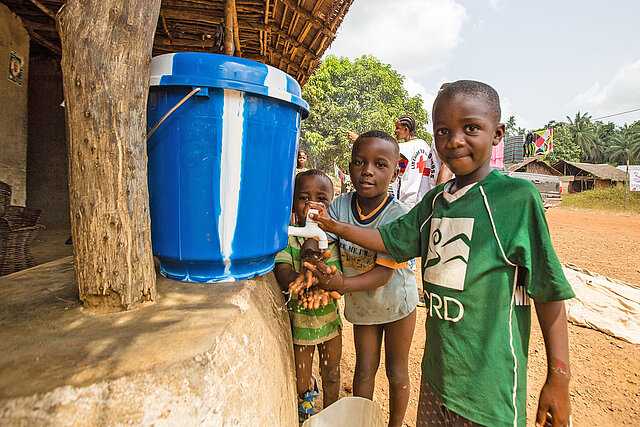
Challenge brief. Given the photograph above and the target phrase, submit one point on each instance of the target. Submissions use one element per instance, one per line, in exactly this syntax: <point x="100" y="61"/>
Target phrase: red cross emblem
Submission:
<point x="422" y="162"/>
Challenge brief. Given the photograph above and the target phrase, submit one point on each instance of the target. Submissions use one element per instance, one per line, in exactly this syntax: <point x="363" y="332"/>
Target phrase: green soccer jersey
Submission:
<point x="485" y="252"/>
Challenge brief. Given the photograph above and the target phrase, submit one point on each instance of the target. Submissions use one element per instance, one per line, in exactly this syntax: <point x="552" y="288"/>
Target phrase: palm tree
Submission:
<point x="510" y="127"/>
<point x="624" y="145"/>
<point x="583" y="134"/>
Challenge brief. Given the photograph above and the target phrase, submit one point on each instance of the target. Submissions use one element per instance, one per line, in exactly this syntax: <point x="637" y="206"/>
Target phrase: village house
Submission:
<point x="587" y="176"/>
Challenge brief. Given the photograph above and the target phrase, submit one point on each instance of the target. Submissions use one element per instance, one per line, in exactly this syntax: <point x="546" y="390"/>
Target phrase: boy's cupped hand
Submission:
<point x="309" y="294"/>
<point x="326" y="277"/>
<point x="316" y="297"/>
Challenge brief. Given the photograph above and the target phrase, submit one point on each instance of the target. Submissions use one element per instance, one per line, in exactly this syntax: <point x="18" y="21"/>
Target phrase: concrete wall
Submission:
<point x="14" y="39"/>
<point x="201" y="355"/>
<point x="47" y="160"/>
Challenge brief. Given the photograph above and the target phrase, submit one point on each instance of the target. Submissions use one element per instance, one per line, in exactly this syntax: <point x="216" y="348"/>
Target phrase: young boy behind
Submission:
<point x="380" y="294"/>
<point x="318" y="326"/>
<point x="486" y="251"/>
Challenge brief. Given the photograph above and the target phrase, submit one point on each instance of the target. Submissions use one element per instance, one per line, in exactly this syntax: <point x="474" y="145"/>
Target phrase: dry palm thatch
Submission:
<point x="291" y="35"/>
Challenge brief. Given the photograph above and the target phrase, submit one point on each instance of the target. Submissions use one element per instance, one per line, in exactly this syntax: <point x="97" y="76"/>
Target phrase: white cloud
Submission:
<point x="416" y="88"/>
<point x="478" y="25"/>
<point x="416" y="36"/>
<point x="496" y="4"/>
<point x="622" y="93"/>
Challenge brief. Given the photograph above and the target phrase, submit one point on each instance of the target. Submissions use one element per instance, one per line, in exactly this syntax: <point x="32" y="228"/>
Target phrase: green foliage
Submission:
<point x="583" y="134"/>
<point x="623" y="144"/>
<point x="564" y="148"/>
<point x="353" y="96"/>
<point x="512" y="129"/>
<point x="611" y="199"/>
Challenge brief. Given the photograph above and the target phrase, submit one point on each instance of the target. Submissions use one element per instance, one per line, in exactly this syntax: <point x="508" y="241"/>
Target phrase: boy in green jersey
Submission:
<point x="486" y="253"/>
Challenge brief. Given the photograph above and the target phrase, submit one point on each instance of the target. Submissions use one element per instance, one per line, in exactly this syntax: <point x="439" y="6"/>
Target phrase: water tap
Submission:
<point x="311" y="229"/>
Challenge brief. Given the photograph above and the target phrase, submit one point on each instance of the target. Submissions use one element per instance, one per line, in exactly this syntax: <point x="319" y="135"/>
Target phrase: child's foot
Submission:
<point x="305" y="401"/>
<point x="302" y="417"/>
<point x="305" y="406"/>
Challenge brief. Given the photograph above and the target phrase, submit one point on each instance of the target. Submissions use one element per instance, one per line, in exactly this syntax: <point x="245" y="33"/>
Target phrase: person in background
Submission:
<point x="312" y="325"/>
<point x="380" y="294"/>
<point x="301" y="161"/>
<point x="414" y="153"/>
<point x="435" y="172"/>
<point x="487" y="252"/>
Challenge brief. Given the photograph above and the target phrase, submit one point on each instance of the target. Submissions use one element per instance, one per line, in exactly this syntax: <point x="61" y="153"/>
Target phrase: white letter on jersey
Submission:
<point x="447" y="300"/>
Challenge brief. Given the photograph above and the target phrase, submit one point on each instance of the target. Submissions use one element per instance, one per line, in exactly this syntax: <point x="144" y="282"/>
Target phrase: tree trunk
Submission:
<point x="106" y="54"/>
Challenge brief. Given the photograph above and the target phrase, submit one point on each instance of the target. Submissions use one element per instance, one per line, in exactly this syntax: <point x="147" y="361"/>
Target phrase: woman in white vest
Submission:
<point x="414" y="158"/>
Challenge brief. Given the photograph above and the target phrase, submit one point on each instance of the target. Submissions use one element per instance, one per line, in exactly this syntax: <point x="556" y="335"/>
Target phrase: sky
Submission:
<point x="547" y="59"/>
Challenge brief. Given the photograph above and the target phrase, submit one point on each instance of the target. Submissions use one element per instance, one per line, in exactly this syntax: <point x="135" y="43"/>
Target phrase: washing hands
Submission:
<point x="308" y="285"/>
<point x="318" y="283"/>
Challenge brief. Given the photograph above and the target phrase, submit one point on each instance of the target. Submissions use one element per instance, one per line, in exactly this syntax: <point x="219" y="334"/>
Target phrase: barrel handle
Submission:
<point x="193" y="92"/>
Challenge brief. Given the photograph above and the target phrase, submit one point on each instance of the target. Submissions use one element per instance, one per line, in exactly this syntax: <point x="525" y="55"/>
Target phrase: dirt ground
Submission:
<point x="605" y="385"/>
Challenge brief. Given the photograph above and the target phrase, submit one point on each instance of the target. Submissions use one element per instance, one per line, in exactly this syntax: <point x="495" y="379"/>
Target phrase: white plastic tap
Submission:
<point x="311" y="229"/>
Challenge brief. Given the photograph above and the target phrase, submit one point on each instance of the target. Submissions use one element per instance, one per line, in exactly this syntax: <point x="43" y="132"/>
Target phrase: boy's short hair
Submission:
<point x="409" y="122"/>
<point x="474" y="89"/>
<point x="310" y="172"/>
<point x="377" y="134"/>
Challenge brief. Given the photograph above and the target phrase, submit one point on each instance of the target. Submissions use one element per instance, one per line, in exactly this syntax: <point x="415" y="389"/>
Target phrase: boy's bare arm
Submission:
<point x="372" y="279"/>
<point x="554" y="407"/>
<point x="369" y="238"/>
<point x="331" y="279"/>
<point x="285" y="274"/>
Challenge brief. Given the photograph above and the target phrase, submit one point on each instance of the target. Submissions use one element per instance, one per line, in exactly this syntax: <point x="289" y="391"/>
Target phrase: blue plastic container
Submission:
<point x="221" y="166"/>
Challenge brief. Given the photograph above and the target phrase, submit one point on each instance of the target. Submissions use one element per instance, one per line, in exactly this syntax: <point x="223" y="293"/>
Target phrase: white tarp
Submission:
<point x="605" y="304"/>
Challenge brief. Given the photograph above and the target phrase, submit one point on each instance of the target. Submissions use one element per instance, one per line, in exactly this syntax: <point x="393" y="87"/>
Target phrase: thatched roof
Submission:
<point x="521" y="167"/>
<point x="601" y="171"/>
<point x="291" y="35"/>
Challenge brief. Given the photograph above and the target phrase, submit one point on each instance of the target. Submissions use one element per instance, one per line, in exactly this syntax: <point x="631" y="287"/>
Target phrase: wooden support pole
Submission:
<point x="106" y="54"/>
<point x="229" y="12"/>
<point x="236" y="31"/>
<point x="43" y="42"/>
<point x="44" y="8"/>
<point x="164" y="27"/>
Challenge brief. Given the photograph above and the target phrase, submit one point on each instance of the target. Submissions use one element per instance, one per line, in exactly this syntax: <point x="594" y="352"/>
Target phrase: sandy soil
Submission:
<point x="605" y="386"/>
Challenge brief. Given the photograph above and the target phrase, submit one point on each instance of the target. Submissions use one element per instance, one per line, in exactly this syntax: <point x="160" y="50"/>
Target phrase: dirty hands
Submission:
<point x="306" y="284"/>
<point x="316" y="297"/>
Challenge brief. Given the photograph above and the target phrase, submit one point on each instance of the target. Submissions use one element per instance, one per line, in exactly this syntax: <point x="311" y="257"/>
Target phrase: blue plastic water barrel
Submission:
<point x="221" y="166"/>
